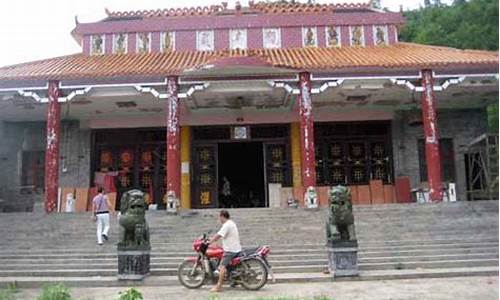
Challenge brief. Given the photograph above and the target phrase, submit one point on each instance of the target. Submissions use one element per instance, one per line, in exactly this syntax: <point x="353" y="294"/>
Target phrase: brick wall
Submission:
<point x="30" y="136"/>
<point x="460" y="125"/>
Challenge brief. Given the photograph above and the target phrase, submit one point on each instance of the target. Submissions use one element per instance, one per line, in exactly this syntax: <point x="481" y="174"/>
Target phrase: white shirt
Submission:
<point x="230" y="237"/>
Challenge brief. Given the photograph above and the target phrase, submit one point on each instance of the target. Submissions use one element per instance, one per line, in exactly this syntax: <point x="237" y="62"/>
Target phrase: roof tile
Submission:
<point x="401" y="55"/>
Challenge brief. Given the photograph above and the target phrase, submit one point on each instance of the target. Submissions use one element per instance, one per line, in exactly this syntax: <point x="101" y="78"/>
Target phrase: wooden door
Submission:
<point x="205" y="178"/>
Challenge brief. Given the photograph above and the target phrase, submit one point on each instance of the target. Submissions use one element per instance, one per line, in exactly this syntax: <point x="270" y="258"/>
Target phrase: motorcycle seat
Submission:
<point x="248" y="251"/>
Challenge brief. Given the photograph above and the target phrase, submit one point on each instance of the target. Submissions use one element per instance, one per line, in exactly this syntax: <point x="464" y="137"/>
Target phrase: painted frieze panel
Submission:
<point x="332" y="34"/>
<point x="309" y="37"/>
<point x="238" y="38"/>
<point x="380" y="35"/>
<point x="205" y="40"/>
<point x="120" y="43"/>
<point x="271" y="37"/>
<point x="357" y="36"/>
<point x="167" y="41"/>
<point x="97" y="44"/>
<point x="143" y="42"/>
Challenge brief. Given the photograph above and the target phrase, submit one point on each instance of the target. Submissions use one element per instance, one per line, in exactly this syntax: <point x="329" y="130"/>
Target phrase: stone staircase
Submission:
<point x="396" y="241"/>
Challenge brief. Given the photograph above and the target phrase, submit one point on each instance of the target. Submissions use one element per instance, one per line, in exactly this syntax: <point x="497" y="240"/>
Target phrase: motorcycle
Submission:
<point x="250" y="268"/>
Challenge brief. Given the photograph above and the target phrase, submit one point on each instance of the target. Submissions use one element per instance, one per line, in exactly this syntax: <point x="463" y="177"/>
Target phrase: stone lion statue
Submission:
<point x="134" y="230"/>
<point x="340" y="225"/>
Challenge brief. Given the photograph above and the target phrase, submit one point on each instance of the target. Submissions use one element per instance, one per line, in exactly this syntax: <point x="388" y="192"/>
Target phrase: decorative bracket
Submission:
<point x="34" y="95"/>
<point x="188" y="93"/>
<point x="436" y="88"/>
<point x="314" y="91"/>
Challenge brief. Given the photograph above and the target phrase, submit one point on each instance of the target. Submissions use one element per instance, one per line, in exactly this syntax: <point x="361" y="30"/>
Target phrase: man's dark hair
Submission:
<point x="224" y="213"/>
<point x="100" y="189"/>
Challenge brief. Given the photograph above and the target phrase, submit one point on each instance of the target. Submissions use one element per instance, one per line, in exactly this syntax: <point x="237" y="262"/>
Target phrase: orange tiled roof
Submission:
<point x="401" y="55"/>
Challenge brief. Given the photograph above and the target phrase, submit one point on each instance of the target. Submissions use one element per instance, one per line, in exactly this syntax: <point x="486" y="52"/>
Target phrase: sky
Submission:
<point x="38" y="29"/>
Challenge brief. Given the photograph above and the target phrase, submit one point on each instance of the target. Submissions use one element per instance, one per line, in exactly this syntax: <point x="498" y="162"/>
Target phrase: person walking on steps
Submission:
<point x="101" y="207"/>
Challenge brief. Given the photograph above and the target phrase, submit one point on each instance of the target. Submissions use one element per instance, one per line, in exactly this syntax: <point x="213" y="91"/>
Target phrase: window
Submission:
<point x="380" y="35"/>
<point x="167" y="41"/>
<point x="97" y="44"/>
<point x="238" y="38"/>
<point x="271" y="37"/>
<point x="205" y="40"/>
<point x="309" y="37"/>
<point x="357" y="36"/>
<point x="120" y="43"/>
<point x="143" y="42"/>
<point x="447" y="160"/>
<point x="332" y="34"/>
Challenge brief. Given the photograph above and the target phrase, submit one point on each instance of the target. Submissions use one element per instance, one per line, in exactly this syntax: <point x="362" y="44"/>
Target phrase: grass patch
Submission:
<point x="55" y="292"/>
<point x="9" y="293"/>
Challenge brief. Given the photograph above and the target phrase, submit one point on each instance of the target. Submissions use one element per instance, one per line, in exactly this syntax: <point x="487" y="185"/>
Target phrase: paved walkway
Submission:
<point x="483" y="288"/>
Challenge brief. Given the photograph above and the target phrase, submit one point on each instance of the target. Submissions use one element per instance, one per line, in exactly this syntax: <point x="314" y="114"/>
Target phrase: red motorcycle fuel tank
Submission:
<point x="215" y="251"/>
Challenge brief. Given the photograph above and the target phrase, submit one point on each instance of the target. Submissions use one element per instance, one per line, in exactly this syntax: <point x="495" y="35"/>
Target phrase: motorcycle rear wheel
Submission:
<point x="191" y="274"/>
<point x="253" y="274"/>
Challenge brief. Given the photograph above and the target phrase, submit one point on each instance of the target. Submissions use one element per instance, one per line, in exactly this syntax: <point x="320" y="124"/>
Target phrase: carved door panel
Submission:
<point x="277" y="164"/>
<point x="204" y="180"/>
<point x="357" y="157"/>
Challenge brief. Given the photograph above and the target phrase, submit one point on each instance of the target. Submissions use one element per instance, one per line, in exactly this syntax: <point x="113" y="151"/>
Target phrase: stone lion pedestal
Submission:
<point x="134" y="249"/>
<point x="343" y="258"/>
<point x="340" y="234"/>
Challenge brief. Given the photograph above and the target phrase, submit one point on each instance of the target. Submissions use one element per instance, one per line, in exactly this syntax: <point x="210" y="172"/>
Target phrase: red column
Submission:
<point x="431" y="137"/>
<point x="52" y="149"/>
<point x="308" y="163"/>
<point x="173" y="138"/>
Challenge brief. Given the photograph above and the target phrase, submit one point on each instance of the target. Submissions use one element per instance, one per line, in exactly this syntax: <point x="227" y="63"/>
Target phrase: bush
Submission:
<point x="55" y="292"/>
<point x="130" y="294"/>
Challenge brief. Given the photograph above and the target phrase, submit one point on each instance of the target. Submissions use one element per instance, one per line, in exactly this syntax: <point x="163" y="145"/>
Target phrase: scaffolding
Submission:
<point x="482" y="168"/>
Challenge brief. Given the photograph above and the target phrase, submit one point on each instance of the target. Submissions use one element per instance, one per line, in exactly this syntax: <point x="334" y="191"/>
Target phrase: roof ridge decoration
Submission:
<point x="167" y="12"/>
<point x="282" y="7"/>
<point x="297" y="7"/>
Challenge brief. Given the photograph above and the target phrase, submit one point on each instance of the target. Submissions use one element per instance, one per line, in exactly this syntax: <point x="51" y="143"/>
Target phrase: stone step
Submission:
<point x="274" y="261"/>
<point x="160" y="271"/>
<point x="111" y="281"/>
<point x="111" y="252"/>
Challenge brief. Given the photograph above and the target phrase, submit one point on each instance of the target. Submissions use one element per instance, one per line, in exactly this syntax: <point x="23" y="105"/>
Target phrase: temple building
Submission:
<point x="245" y="106"/>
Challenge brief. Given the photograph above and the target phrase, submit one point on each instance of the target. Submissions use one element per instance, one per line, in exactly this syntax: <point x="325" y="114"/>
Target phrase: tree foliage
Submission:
<point x="464" y="24"/>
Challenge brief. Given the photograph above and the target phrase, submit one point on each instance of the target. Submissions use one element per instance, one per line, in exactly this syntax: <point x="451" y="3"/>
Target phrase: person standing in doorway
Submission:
<point x="230" y="243"/>
<point x="101" y="207"/>
<point x="226" y="192"/>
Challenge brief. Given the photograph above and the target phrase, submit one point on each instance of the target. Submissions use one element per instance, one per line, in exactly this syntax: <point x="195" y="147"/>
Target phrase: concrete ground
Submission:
<point x="483" y="288"/>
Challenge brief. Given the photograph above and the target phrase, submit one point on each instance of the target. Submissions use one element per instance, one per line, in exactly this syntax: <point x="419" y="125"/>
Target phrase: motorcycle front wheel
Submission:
<point x="191" y="274"/>
<point x="253" y="274"/>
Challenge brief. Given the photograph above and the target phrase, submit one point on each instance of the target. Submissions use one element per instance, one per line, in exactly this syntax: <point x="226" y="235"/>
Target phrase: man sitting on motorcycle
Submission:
<point x="230" y="244"/>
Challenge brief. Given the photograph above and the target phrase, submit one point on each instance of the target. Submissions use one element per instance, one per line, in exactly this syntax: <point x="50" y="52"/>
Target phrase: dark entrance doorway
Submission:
<point x="241" y="175"/>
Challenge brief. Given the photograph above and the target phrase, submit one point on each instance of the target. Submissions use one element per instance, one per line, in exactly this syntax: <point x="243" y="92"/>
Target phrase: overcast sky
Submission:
<point x="38" y="29"/>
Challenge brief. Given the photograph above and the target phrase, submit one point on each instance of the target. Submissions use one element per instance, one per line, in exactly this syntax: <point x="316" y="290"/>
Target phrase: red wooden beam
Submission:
<point x="308" y="164"/>
<point x="52" y="147"/>
<point x="431" y="133"/>
<point x="173" y="138"/>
